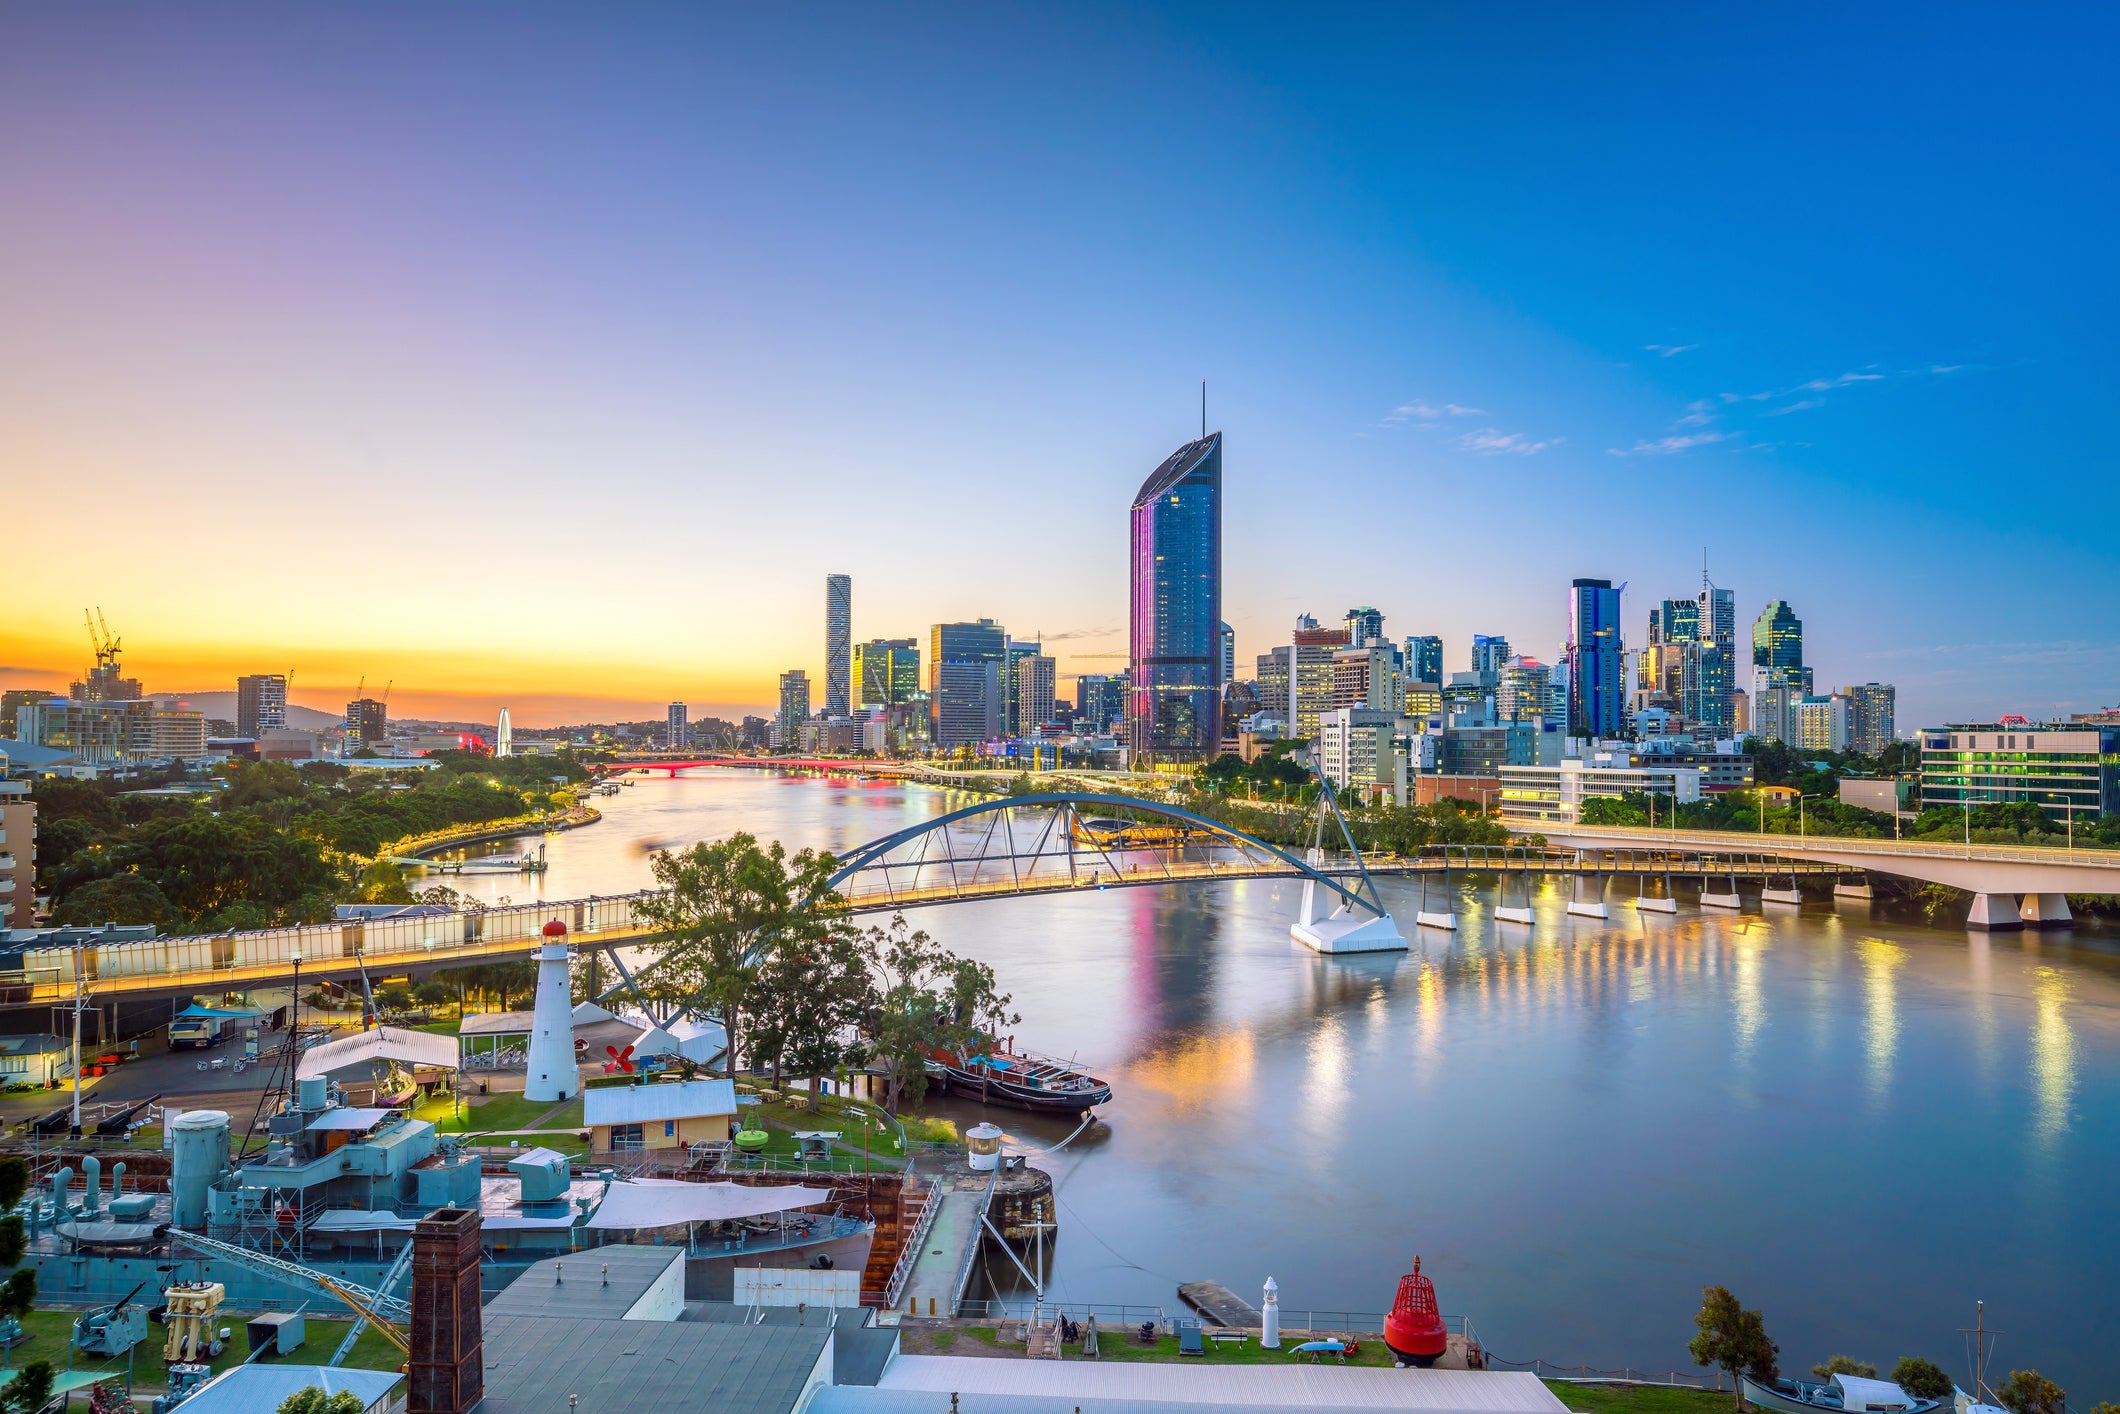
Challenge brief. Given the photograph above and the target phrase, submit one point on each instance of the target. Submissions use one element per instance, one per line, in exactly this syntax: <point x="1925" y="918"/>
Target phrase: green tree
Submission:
<point x="2029" y="1392"/>
<point x="314" y="1401"/>
<point x="30" y="1389"/>
<point x="726" y="904"/>
<point x="808" y="997"/>
<point x="927" y="999"/>
<point x="1733" y="1338"/>
<point x="1924" y="1379"/>
<point x="122" y="898"/>
<point x="1845" y="1365"/>
<point x="431" y="992"/>
<point x="383" y="882"/>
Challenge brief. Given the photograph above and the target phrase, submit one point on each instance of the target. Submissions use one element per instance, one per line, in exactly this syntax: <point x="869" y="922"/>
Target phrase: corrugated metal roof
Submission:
<point x="638" y="1104"/>
<point x="533" y="1363"/>
<point x="249" y="1388"/>
<point x="350" y="1118"/>
<point x="577" y="1287"/>
<point x="1291" y="1386"/>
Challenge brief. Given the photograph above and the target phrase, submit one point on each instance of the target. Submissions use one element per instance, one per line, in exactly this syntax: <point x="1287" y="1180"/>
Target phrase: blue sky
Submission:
<point x="597" y="339"/>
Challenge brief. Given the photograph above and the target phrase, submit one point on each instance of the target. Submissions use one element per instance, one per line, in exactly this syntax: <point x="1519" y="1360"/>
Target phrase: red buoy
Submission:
<point x="1414" y="1330"/>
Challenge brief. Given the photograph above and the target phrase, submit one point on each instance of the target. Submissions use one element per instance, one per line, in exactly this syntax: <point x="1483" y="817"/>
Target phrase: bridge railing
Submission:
<point x="1726" y="841"/>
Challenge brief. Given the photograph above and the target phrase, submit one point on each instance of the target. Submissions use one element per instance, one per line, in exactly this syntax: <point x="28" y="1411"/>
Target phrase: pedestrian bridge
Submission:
<point x="1007" y="847"/>
<point x="2012" y="885"/>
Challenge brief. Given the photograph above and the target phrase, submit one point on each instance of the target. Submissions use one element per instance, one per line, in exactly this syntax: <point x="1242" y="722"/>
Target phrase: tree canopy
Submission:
<point x="1733" y="1338"/>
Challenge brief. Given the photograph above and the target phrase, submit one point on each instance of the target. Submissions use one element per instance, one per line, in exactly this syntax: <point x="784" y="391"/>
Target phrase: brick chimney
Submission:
<point x="448" y="1365"/>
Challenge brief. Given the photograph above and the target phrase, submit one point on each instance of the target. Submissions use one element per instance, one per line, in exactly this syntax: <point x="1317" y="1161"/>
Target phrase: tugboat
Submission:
<point x="1017" y="1078"/>
<point x="1414" y="1330"/>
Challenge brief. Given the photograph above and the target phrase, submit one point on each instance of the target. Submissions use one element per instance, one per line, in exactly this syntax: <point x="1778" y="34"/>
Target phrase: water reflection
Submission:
<point x="2053" y="1056"/>
<point x="1881" y="962"/>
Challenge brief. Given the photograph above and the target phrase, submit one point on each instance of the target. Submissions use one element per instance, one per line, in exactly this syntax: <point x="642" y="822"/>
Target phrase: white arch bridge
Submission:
<point x="998" y="848"/>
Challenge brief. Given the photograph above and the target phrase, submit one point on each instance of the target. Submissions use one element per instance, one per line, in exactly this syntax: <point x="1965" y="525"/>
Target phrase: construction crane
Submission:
<point x="100" y="639"/>
<point x="386" y="1313"/>
<point x="386" y="691"/>
<point x="358" y="686"/>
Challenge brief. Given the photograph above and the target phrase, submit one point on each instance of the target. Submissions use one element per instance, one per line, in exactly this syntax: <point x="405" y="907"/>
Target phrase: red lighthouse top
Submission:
<point x="555" y="929"/>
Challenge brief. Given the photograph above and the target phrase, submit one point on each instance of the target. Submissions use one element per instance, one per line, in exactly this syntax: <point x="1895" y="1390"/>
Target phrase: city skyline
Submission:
<point x="203" y="315"/>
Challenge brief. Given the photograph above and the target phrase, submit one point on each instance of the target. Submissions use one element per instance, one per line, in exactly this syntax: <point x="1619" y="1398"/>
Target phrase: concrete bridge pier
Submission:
<point x="1858" y="888"/>
<point x="1730" y="899"/>
<point x="1994" y="913"/>
<point x="1580" y="907"/>
<point x="1646" y="902"/>
<point x="1503" y="910"/>
<point x="2045" y="911"/>
<point x="1790" y="895"/>
<point x="1443" y="916"/>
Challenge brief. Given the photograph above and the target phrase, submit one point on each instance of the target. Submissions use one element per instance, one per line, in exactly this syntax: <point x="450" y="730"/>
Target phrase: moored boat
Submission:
<point x="1019" y="1079"/>
<point x="1844" y="1392"/>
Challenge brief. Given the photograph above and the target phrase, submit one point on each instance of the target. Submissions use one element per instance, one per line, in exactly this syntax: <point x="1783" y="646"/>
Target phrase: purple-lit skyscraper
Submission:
<point x="1174" y="698"/>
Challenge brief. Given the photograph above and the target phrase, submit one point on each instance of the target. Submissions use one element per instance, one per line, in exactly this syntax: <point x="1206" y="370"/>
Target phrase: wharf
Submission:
<point x="1219" y="1305"/>
<point x="962" y="1200"/>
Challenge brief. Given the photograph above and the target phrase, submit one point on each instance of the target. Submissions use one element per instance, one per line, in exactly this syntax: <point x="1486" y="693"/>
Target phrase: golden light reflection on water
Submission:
<point x="2053" y="1055"/>
<point x="1881" y="962"/>
<point x="1748" y="1008"/>
<point x="1195" y="1069"/>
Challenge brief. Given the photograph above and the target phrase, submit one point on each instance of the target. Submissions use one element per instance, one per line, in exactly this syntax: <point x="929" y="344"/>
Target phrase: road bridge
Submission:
<point x="2013" y="886"/>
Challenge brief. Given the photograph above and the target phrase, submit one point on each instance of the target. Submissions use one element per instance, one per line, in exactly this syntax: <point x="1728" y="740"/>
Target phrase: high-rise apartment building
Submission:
<point x="1272" y="676"/>
<point x="1818" y="723"/>
<point x="675" y="735"/>
<point x="1424" y="659"/>
<point x="1036" y="680"/>
<point x="1489" y="652"/>
<point x="794" y="705"/>
<point x="1175" y="608"/>
<point x="1367" y="676"/>
<point x="1871" y="707"/>
<point x="838" y="643"/>
<point x="1364" y="626"/>
<point x="1229" y="655"/>
<point x="1017" y="716"/>
<point x="1525" y="690"/>
<point x="367" y="722"/>
<point x="1777" y="649"/>
<point x="1310" y="675"/>
<point x="967" y="689"/>
<point x="886" y="672"/>
<point x="261" y="703"/>
<point x="1596" y="663"/>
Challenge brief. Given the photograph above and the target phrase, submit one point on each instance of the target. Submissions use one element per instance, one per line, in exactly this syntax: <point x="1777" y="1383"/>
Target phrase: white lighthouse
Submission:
<point x="553" y="1075"/>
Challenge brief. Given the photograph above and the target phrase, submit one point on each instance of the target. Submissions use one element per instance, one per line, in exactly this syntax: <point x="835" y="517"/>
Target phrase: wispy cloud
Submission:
<point x="1668" y="446"/>
<point x="1802" y="406"/>
<point x="1429" y="412"/>
<point x="1492" y="441"/>
<point x="1669" y="350"/>
<point x="1077" y="633"/>
<point x="1820" y="385"/>
<point x="1698" y="414"/>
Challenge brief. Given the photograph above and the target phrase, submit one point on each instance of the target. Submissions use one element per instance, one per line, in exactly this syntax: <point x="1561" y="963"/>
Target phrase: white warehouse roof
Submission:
<point x="642" y="1104"/>
<point x="1290" y="1386"/>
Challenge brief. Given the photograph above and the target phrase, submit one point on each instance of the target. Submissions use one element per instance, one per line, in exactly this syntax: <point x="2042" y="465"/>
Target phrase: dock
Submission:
<point x="1220" y="1306"/>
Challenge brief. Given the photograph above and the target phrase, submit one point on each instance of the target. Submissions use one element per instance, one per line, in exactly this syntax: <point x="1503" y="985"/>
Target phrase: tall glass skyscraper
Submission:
<point x="1777" y="649"/>
<point x="838" y="643"/>
<point x="1424" y="658"/>
<point x="967" y="696"/>
<point x="1596" y="660"/>
<point x="1174" y="702"/>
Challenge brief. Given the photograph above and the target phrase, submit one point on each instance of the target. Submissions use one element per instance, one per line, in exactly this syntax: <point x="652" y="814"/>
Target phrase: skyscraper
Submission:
<point x="1229" y="655"/>
<point x="1034" y="701"/>
<point x="1489" y="652"/>
<point x="838" y="643"/>
<point x="261" y="703"/>
<point x="1174" y="710"/>
<point x="1273" y="675"/>
<point x="1596" y="664"/>
<point x="967" y="694"/>
<point x="886" y="672"/>
<point x="1424" y="659"/>
<point x="794" y="705"/>
<point x="1364" y="626"/>
<point x="1777" y="649"/>
<point x="1017" y="717"/>
<point x="367" y="721"/>
<point x="1716" y="626"/>
<point x="1310" y="673"/>
<point x="1871" y="707"/>
<point x="674" y="733"/>
<point x="1099" y="699"/>
<point x="1525" y="690"/>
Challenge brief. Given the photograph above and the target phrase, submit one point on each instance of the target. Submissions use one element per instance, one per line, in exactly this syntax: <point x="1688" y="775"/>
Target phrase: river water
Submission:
<point x="1861" y="1126"/>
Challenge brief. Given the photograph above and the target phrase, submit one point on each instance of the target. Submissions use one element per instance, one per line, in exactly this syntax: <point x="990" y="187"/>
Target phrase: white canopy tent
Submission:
<point x="665" y="1202"/>
<point x="415" y="1048"/>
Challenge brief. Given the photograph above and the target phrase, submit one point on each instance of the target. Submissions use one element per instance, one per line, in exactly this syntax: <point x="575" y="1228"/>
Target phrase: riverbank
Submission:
<point x="420" y="846"/>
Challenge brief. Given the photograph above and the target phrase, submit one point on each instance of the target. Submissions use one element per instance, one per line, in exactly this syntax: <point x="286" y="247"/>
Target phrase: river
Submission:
<point x="1860" y="1126"/>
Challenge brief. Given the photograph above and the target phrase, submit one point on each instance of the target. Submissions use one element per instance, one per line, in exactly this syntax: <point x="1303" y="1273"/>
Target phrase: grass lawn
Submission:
<point x="1642" y="1399"/>
<point x="845" y="1115"/>
<point x="51" y="1333"/>
<point x="1119" y="1343"/>
<point x="500" y="1112"/>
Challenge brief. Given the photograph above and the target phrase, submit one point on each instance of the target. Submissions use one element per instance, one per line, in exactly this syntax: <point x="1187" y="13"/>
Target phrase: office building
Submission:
<point x="886" y="671"/>
<point x="838" y="644"/>
<point x="1019" y="718"/>
<point x="1364" y="626"/>
<point x="1871" y="707"/>
<point x="1818" y="723"/>
<point x="1596" y="660"/>
<point x="115" y="732"/>
<point x="967" y="689"/>
<point x="2069" y="769"/>
<point x="367" y="722"/>
<point x="1310" y="675"/>
<point x="1175" y="609"/>
<point x="1523" y="689"/>
<point x="1777" y="650"/>
<point x="1229" y="656"/>
<point x="1689" y="664"/>
<point x="1770" y="712"/>
<point x="18" y="852"/>
<point x="261" y="703"/>
<point x="1358" y="751"/>
<point x="1554" y="795"/>
<point x="1712" y="709"/>
<point x="1273" y="681"/>
<point x="794" y="705"/>
<point x="1100" y="700"/>
<point x="1036" y="679"/>
<point x="1367" y="676"/>
<point x="1489" y="652"/>
<point x="675" y="735"/>
<point x="1423" y="661"/>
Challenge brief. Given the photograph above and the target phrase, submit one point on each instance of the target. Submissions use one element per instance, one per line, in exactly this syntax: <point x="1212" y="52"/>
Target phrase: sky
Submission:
<point x="549" y="357"/>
